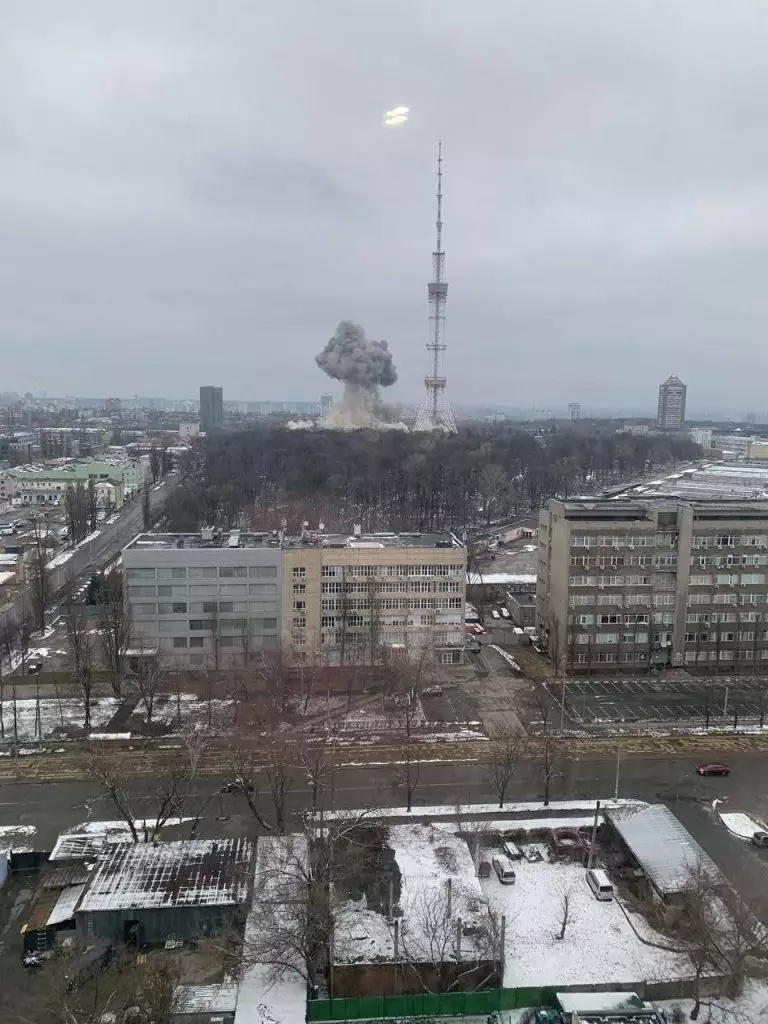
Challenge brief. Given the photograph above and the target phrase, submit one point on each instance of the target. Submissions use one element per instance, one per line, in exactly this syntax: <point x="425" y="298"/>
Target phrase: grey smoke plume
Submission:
<point x="350" y="357"/>
<point x="364" y="366"/>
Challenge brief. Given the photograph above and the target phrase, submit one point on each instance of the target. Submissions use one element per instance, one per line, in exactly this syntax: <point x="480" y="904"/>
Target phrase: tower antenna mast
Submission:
<point x="435" y="412"/>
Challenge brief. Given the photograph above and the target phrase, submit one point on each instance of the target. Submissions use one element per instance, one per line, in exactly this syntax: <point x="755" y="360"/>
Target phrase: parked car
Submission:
<point x="495" y="614"/>
<point x="505" y="613"/>
<point x="237" y="786"/>
<point x="504" y="871"/>
<point x="34" y="667"/>
<point x="512" y="850"/>
<point x="715" y="768"/>
<point x="760" y="838"/>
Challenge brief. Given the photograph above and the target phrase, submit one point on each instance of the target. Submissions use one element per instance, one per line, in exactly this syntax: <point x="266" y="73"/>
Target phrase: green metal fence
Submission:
<point x="447" y="1004"/>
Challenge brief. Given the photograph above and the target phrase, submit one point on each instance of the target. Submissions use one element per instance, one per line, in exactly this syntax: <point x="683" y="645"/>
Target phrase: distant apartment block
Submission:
<point x="635" y="585"/>
<point x="671" y="409"/>
<point x="211" y="407"/>
<point x="359" y="599"/>
<point x="211" y="598"/>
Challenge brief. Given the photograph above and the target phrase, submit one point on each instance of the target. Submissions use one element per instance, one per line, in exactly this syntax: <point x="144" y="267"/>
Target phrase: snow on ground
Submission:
<point x="66" y="713"/>
<point x="524" y="825"/>
<point x="741" y="825"/>
<point x="17" y="830"/>
<point x="468" y="810"/>
<point x="532" y="907"/>
<point x="100" y="828"/>
<point x="362" y="935"/>
<point x="506" y="656"/>
<point x="263" y="1000"/>
<point x="750" y="1008"/>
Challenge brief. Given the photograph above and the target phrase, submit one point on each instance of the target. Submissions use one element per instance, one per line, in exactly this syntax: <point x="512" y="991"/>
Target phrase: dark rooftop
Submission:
<point x="200" y="872"/>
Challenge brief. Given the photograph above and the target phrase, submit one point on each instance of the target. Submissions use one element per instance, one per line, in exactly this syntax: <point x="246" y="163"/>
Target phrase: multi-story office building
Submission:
<point x="204" y="599"/>
<point x="671" y="410"/>
<point x="352" y="600"/>
<point x="633" y="585"/>
<point x="211" y="407"/>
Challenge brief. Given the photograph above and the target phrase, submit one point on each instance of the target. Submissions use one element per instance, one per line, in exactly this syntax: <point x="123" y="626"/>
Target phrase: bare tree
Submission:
<point x="292" y="915"/>
<point x="548" y="753"/>
<point x="115" y="628"/>
<point x="406" y="770"/>
<point x="41" y="590"/>
<point x="76" y="622"/>
<point x="278" y="766"/>
<point x="148" y="680"/>
<point x="449" y="940"/>
<point x="320" y="766"/>
<point x="166" y="793"/>
<point x="505" y="760"/>
<point x="566" y="894"/>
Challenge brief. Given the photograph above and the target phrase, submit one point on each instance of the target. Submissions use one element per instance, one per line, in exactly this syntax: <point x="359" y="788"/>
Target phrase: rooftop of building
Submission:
<point x="358" y="539"/>
<point x="187" y="873"/>
<point x="639" y="507"/>
<point x="209" y="537"/>
<point x="206" y="538"/>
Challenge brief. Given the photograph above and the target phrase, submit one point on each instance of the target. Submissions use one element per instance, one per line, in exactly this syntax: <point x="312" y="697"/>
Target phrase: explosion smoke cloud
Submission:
<point x="364" y="366"/>
<point x="351" y="358"/>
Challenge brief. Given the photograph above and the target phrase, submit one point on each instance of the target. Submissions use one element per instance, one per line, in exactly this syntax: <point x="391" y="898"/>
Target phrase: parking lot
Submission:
<point x="727" y="699"/>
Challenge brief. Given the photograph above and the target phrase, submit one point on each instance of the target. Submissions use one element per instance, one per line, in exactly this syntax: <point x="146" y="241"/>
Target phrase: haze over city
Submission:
<point x="194" y="191"/>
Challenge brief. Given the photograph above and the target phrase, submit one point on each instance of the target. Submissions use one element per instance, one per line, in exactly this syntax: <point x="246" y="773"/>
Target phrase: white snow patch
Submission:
<point x="534" y="956"/>
<point x="750" y="1008"/>
<point x="17" y="830"/>
<point x="67" y="713"/>
<point x="506" y="656"/>
<point x="741" y="825"/>
<point x="470" y="810"/>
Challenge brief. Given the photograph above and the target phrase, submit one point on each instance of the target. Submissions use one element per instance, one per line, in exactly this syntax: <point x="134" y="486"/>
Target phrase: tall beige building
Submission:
<point x="630" y="585"/>
<point x="353" y="600"/>
<point x="670" y="414"/>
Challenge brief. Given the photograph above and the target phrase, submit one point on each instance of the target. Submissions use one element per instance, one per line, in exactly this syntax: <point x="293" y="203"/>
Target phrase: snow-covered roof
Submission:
<point x="65" y="905"/>
<point x="665" y="850"/>
<point x="221" y="998"/>
<point x="497" y="578"/>
<point x="200" y="872"/>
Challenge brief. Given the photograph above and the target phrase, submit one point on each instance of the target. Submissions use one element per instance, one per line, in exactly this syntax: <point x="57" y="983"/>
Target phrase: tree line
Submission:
<point x="403" y="481"/>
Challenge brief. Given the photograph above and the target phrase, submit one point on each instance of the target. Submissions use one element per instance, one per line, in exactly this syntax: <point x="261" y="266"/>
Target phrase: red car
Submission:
<point x="713" y="769"/>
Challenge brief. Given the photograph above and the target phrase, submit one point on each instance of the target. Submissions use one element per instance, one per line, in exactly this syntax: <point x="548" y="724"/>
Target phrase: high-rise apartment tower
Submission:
<point x="671" y="411"/>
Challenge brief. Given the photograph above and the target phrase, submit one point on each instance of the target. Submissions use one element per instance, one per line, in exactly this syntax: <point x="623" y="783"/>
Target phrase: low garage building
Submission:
<point x="657" y="844"/>
<point x="147" y="894"/>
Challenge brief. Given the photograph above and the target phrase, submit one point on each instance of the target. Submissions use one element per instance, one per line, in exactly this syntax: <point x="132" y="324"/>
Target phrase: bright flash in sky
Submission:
<point x="397" y="115"/>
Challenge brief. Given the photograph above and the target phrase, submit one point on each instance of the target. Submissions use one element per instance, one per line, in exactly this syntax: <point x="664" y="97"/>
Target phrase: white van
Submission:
<point x="600" y="884"/>
<point x="504" y="870"/>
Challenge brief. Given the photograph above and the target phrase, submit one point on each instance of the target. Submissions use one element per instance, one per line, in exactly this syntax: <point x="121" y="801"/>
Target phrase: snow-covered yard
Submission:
<point x="599" y="945"/>
<point x="56" y="716"/>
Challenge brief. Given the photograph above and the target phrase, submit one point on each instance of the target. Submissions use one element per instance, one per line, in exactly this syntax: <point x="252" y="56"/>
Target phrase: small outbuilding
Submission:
<point x="659" y="845"/>
<point x="148" y="894"/>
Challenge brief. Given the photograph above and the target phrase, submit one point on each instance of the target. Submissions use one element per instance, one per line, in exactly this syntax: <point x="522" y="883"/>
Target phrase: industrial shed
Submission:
<point x="148" y="894"/>
<point x="664" y="850"/>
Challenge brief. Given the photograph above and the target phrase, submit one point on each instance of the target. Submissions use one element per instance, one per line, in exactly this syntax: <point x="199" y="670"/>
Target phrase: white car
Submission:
<point x="495" y="614"/>
<point x="505" y="613"/>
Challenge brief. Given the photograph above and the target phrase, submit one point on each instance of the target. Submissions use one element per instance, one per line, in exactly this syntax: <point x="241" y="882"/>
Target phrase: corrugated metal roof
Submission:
<point x="188" y="873"/>
<point x="65" y="905"/>
<point x="665" y="850"/>
<point x="221" y="998"/>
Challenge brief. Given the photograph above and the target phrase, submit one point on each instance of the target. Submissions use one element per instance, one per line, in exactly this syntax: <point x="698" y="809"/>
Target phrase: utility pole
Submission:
<point x="562" y="707"/>
<point x="725" y="702"/>
<point x="618" y="770"/>
<point x="591" y="859"/>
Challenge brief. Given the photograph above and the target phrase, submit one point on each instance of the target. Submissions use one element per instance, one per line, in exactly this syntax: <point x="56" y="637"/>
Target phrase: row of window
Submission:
<point x="201" y="590"/>
<point x="441" y="569"/>
<point x="715" y="617"/>
<point x="728" y="655"/>
<point x="629" y="540"/>
<point x="729" y="540"/>
<point x="204" y="572"/>
<point x="333" y="604"/>
<point x="726" y="561"/>
<point x="624" y="561"/>
<point x="728" y="579"/>
<point x="611" y="657"/>
<point x="179" y="643"/>
<point x="228" y="626"/>
<point x="611" y="638"/>
<point x="720" y="636"/>
<point x="150" y="610"/>
<point x="727" y="598"/>
<point x="630" y="619"/>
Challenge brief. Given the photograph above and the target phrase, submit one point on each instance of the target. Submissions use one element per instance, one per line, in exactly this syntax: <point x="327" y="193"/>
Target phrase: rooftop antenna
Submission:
<point x="435" y="412"/>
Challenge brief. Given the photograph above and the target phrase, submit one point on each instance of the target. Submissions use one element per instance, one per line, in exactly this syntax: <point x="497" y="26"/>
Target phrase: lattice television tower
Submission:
<point x="435" y="412"/>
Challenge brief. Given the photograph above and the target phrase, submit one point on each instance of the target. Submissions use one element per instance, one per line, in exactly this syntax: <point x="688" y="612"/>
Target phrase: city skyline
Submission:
<point x="163" y="222"/>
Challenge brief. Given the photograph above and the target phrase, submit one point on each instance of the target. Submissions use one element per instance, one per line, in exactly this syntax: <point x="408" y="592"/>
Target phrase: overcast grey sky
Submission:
<point x="196" y="191"/>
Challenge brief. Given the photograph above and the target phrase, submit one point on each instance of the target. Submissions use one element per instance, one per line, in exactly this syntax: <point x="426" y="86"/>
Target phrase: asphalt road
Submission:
<point x="54" y="806"/>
